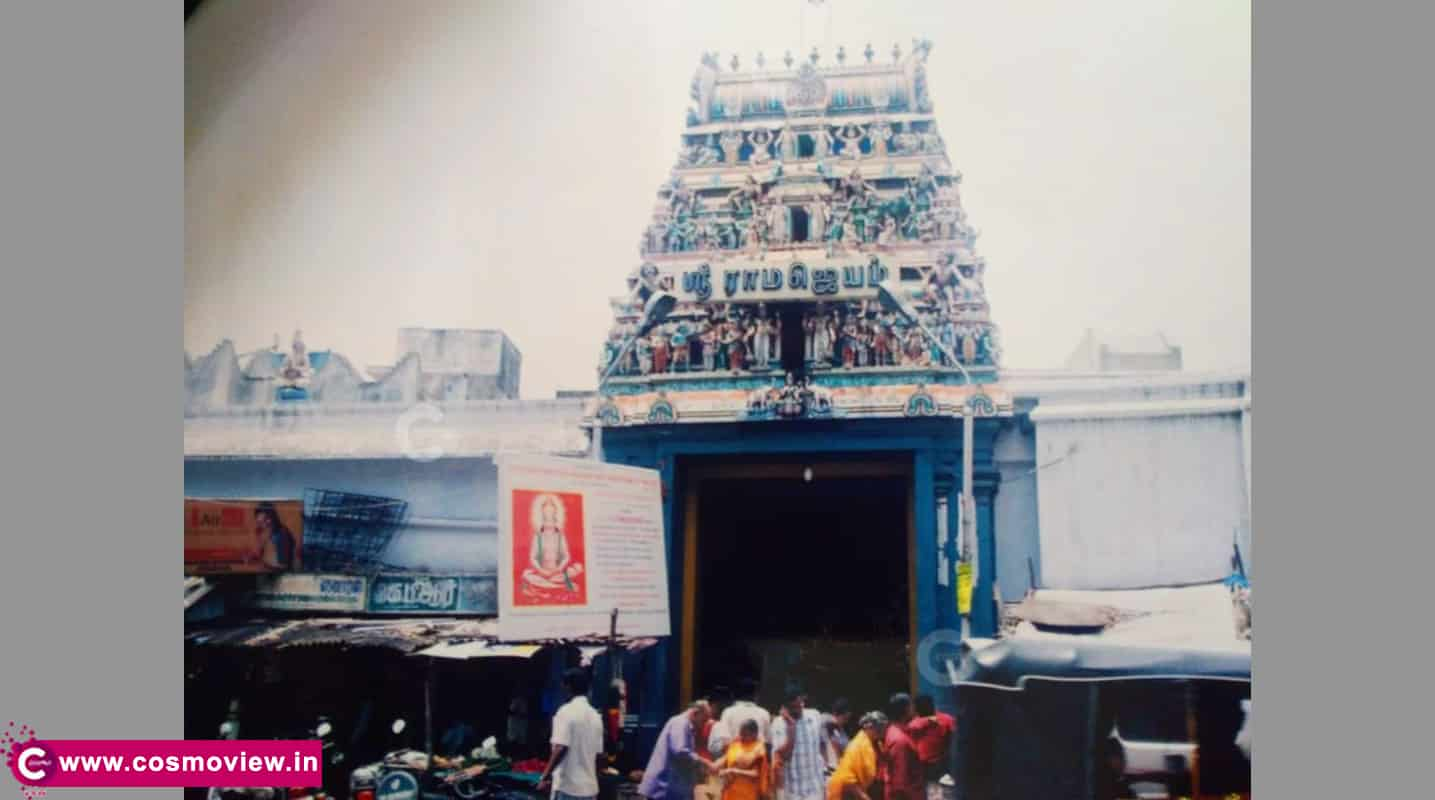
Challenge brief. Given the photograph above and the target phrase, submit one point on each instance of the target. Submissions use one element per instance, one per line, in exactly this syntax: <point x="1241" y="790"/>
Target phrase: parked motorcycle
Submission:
<point x="331" y="762"/>
<point x="408" y="774"/>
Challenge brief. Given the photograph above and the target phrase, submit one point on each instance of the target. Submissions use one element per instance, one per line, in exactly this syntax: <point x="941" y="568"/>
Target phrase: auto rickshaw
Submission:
<point x="1076" y="717"/>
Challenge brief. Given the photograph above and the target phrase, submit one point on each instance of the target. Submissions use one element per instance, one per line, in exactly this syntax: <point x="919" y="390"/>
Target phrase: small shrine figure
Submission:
<point x="659" y="344"/>
<point x="948" y="337"/>
<point x="736" y="352"/>
<point x="760" y="139"/>
<point x="882" y="344"/>
<point x="887" y="236"/>
<point x="947" y="218"/>
<point x="644" y="349"/>
<point x="731" y="142"/>
<point x="969" y="347"/>
<point x="926" y="223"/>
<point x="834" y="330"/>
<point x="924" y="187"/>
<point x="818" y="212"/>
<point x="789" y="398"/>
<point x="753" y="236"/>
<point x="864" y="344"/>
<point x="296" y="369"/>
<point x="680" y="348"/>
<point x="681" y="200"/>
<point x="849" y="344"/>
<point x="778" y="223"/>
<point x="761" y="339"/>
<point x="851" y="136"/>
<point x="787" y="143"/>
<point x="745" y="198"/>
<point x="748" y="329"/>
<point x="708" y="340"/>
<point x="878" y="133"/>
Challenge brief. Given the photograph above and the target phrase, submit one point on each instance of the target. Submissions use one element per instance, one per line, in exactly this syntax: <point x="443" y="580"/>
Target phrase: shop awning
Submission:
<point x="480" y="650"/>
<point x="438" y="637"/>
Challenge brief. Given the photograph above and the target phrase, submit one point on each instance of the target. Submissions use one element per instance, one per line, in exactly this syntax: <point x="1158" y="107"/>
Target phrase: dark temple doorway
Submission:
<point x="803" y="580"/>
<point x="793" y="359"/>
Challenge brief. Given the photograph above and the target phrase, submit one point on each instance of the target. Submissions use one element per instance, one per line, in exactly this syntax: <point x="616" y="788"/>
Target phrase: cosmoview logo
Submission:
<point x="32" y="762"/>
<point x="35" y="763"/>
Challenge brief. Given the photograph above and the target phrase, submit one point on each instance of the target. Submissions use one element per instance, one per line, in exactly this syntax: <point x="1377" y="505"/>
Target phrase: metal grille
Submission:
<point x="345" y="532"/>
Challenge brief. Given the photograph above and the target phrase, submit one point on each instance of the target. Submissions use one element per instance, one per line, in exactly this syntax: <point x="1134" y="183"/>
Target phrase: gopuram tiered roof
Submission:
<point x="799" y="188"/>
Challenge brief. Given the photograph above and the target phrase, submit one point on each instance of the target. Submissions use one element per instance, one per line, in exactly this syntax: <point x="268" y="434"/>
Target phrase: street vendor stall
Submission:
<point x="449" y="679"/>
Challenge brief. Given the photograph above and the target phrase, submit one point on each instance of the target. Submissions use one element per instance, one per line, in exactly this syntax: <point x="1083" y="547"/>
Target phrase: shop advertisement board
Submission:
<point x="242" y="536"/>
<point x="299" y="592"/>
<point x="432" y="594"/>
<point x="577" y="539"/>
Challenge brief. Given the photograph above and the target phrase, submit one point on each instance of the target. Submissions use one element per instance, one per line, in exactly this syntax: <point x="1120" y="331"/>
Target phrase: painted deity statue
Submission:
<point x="660" y="344"/>
<point x="925" y="187"/>
<point x="878" y="133"/>
<point x="819" y="211"/>
<point x="851" y="136"/>
<point x="731" y="142"/>
<point x="761" y="340"/>
<point x="680" y="347"/>
<point x="709" y="341"/>
<point x="745" y="198"/>
<point x="295" y="369"/>
<point x="887" y="236"/>
<point x="778" y="222"/>
<point x="760" y="139"/>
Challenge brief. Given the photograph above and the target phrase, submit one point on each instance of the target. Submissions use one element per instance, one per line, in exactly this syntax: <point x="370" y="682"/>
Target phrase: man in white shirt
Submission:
<point x="735" y="715"/>
<point x="577" y="744"/>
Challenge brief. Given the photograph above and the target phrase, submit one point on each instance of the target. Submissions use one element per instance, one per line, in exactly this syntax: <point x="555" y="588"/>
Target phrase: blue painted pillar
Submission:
<point x="984" y="618"/>
<point x="925" y="560"/>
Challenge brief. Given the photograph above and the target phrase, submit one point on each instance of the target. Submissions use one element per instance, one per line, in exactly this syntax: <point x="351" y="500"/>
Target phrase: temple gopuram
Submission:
<point x="797" y="191"/>
<point x="826" y="328"/>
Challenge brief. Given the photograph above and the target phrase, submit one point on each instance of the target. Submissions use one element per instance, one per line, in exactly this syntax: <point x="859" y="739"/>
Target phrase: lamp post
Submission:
<point x="891" y="300"/>
<point x="659" y="305"/>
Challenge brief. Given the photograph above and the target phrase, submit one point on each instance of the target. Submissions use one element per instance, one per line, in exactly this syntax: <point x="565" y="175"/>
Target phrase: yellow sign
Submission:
<point x="964" y="588"/>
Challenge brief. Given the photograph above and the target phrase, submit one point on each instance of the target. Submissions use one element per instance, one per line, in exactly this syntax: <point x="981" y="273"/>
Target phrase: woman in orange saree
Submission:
<point x="744" y="771"/>
<point x="858" y="767"/>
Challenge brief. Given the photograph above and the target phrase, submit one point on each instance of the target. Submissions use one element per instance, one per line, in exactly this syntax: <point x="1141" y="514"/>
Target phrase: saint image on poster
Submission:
<point x="548" y="549"/>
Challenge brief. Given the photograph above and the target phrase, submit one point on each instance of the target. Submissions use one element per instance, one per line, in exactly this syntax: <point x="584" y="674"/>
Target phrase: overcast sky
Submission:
<point x="356" y="167"/>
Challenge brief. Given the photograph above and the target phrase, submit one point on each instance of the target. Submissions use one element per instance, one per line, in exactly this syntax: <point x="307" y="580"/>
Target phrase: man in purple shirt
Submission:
<point x="677" y="764"/>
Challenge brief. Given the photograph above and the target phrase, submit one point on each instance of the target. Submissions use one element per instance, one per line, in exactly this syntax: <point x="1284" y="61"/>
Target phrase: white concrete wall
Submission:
<point x="1017" y="529"/>
<point x="1139" y="501"/>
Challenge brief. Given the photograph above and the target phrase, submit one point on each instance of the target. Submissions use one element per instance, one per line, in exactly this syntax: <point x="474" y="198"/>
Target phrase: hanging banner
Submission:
<point x="301" y="592"/>
<point x="431" y="594"/>
<point x="242" y="536"/>
<point x="577" y="539"/>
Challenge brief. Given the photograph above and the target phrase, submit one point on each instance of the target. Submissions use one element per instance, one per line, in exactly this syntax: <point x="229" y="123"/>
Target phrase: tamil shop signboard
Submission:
<point x="432" y="594"/>
<point x="242" y="536"/>
<point x="576" y="540"/>
<point x="297" y="592"/>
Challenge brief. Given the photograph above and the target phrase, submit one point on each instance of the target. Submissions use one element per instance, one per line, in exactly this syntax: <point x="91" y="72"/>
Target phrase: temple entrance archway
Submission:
<point x="788" y="578"/>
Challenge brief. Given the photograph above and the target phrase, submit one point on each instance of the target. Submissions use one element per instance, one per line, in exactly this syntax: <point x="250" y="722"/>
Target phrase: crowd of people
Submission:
<point x="725" y="748"/>
<point x="728" y="747"/>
